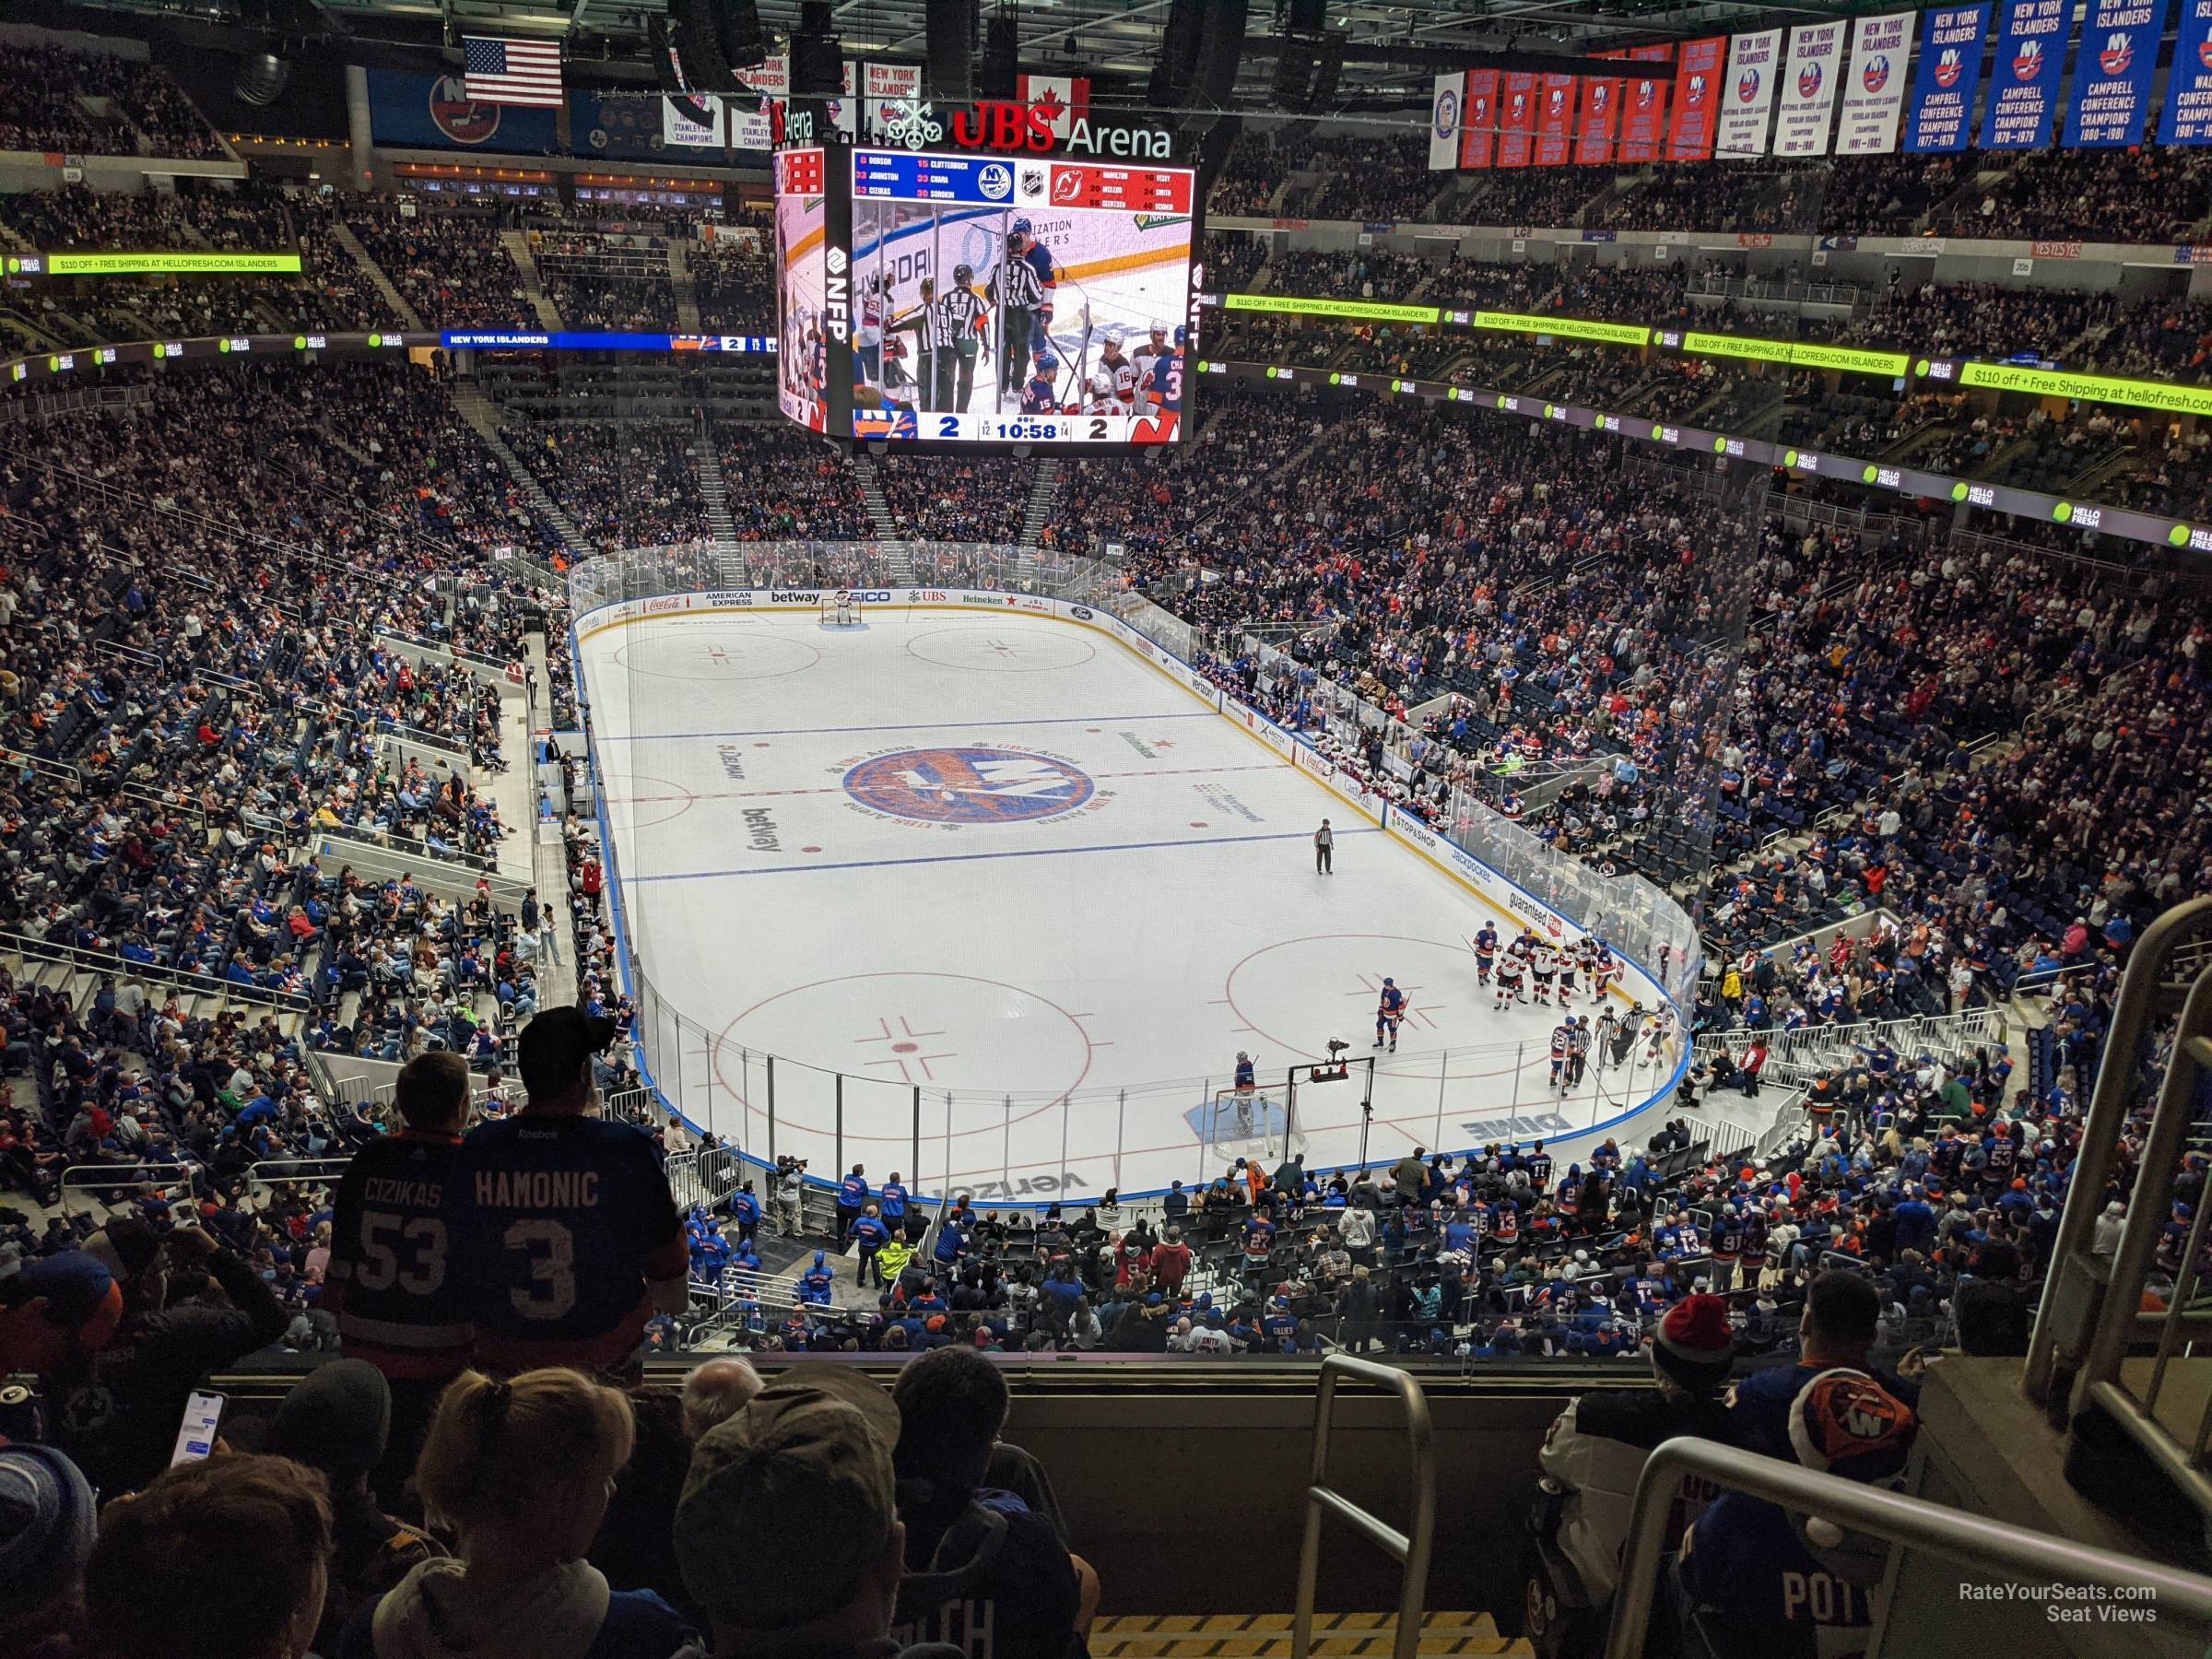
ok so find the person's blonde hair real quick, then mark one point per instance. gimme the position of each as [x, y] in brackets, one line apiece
[503, 1452]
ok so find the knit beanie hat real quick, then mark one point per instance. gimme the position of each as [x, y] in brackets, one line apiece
[1694, 1347]
[46, 1525]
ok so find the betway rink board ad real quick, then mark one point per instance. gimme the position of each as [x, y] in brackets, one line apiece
[1065, 326]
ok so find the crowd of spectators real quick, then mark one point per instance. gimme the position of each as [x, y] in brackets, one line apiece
[983, 499]
[620, 284]
[633, 483]
[785, 484]
[43, 93]
[449, 266]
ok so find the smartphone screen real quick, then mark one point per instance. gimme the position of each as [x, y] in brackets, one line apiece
[196, 1435]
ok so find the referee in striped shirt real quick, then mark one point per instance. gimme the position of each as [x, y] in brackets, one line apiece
[1019, 288]
[954, 342]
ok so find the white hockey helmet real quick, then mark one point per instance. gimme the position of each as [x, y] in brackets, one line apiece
[1116, 333]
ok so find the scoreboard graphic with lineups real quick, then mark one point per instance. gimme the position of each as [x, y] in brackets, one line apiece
[931, 297]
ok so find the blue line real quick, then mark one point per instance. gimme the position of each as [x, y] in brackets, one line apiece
[931, 725]
[878, 863]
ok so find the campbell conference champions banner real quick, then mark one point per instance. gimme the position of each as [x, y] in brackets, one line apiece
[2111, 73]
[1808, 89]
[2023, 87]
[1944, 83]
[1747, 98]
[1873, 91]
[1698, 96]
[2188, 117]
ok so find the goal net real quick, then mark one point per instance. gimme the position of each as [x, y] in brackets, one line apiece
[839, 610]
[1250, 1126]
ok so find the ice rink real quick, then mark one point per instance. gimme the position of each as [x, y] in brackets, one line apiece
[999, 860]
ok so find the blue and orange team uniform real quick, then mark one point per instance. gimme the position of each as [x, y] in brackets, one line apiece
[1163, 380]
[1244, 1075]
[1559, 1052]
[1390, 1009]
[1485, 952]
[1039, 396]
[391, 1285]
[564, 1222]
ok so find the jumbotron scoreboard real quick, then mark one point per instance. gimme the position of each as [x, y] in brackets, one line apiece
[932, 296]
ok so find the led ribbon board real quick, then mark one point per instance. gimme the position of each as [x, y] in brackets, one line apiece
[1797, 354]
[1350, 311]
[169, 264]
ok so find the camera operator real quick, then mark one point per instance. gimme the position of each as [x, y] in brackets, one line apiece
[790, 1195]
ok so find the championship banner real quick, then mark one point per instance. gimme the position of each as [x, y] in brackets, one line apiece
[1554, 121]
[678, 130]
[1443, 121]
[1643, 114]
[2188, 117]
[1943, 86]
[1748, 100]
[844, 111]
[1517, 118]
[1478, 118]
[1601, 117]
[2111, 76]
[1873, 93]
[771, 80]
[1697, 98]
[888, 84]
[2023, 87]
[1808, 89]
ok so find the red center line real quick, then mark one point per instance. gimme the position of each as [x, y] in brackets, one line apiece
[734, 795]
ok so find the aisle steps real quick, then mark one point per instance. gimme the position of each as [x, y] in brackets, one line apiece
[1268, 1636]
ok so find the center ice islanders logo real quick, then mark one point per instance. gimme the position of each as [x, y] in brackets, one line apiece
[968, 785]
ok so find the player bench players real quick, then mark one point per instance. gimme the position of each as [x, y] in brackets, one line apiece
[562, 1225]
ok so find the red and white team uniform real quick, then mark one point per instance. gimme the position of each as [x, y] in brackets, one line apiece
[1509, 978]
[1099, 396]
[1571, 964]
[1544, 965]
[1122, 372]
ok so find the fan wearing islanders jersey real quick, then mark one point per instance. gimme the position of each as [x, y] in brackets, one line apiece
[561, 1223]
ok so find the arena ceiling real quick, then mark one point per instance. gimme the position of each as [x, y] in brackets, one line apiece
[1391, 50]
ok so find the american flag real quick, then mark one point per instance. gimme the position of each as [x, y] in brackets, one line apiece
[496, 70]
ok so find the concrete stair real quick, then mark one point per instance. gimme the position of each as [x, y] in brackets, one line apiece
[343, 235]
[534, 288]
[687, 291]
[871, 491]
[716, 489]
[1044, 489]
[483, 415]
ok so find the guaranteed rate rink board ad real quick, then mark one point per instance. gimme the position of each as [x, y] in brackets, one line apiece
[1027, 299]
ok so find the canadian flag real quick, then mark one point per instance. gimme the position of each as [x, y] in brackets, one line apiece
[1063, 98]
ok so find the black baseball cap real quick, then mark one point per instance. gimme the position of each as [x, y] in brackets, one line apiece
[555, 1045]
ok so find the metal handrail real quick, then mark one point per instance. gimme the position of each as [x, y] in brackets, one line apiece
[1409, 1549]
[1955, 1535]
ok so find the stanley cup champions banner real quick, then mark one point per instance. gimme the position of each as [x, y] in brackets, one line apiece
[1697, 95]
[1747, 94]
[1874, 89]
[1808, 89]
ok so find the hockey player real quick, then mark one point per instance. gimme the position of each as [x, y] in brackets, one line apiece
[1246, 1087]
[1578, 1048]
[1604, 972]
[1563, 1037]
[1390, 1009]
[1571, 962]
[1040, 396]
[1098, 395]
[1119, 370]
[1149, 349]
[1159, 376]
[1658, 1031]
[1486, 953]
[1509, 978]
[1544, 967]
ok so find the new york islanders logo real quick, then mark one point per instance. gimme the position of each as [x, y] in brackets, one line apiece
[1694, 93]
[1809, 81]
[1556, 101]
[1645, 92]
[1601, 94]
[2118, 53]
[2028, 61]
[1949, 68]
[2204, 53]
[1480, 114]
[1746, 85]
[1876, 74]
[968, 785]
[1519, 105]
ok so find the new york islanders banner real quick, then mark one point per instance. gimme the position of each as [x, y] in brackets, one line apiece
[1644, 115]
[1554, 121]
[1697, 95]
[1478, 118]
[2112, 75]
[2188, 117]
[1808, 89]
[2023, 87]
[1601, 118]
[1516, 118]
[1873, 93]
[1443, 121]
[1747, 98]
[1943, 86]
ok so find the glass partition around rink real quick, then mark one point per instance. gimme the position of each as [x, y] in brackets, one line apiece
[1030, 1147]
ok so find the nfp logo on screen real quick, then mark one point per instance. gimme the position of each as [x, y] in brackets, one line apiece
[969, 785]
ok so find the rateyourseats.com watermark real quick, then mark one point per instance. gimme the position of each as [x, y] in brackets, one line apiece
[2074, 1604]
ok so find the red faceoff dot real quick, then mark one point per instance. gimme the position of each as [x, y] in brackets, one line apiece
[810, 848]
[1198, 823]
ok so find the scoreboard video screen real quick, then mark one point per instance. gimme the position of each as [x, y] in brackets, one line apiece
[984, 298]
